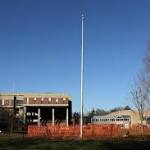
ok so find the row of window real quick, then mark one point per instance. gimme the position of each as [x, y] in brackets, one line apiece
[49, 99]
[35, 100]
[45, 100]
[104, 120]
[147, 118]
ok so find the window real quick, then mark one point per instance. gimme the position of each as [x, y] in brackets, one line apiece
[19, 102]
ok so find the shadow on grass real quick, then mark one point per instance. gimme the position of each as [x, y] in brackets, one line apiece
[46, 144]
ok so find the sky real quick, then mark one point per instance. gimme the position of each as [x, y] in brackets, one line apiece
[40, 47]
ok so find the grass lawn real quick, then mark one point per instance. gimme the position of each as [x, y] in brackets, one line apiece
[46, 144]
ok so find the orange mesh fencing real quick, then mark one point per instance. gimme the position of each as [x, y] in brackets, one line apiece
[89, 131]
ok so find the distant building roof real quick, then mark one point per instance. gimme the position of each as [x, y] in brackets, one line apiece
[40, 94]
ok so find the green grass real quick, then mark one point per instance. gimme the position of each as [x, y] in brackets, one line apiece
[46, 144]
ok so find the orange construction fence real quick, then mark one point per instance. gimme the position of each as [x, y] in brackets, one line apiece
[89, 131]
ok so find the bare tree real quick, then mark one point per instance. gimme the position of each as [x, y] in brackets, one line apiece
[147, 74]
[139, 97]
[141, 91]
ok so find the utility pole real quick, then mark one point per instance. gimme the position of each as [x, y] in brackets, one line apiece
[82, 73]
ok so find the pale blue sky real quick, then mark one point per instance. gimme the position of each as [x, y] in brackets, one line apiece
[40, 48]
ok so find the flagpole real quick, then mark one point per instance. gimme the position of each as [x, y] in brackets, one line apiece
[82, 73]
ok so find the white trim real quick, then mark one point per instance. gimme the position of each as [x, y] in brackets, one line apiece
[49, 99]
[39, 116]
[67, 121]
[61, 105]
[27, 100]
[2, 101]
[36, 94]
[53, 116]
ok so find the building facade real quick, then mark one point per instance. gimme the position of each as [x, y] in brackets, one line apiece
[38, 108]
[125, 118]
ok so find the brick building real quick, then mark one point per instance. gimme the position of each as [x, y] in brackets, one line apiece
[38, 108]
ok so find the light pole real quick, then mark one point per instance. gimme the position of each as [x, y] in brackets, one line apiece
[82, 79]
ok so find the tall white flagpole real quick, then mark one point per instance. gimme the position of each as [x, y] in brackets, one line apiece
[82, 80]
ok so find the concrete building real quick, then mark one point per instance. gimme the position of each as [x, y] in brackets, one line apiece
[126, 118]
[38, 108]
